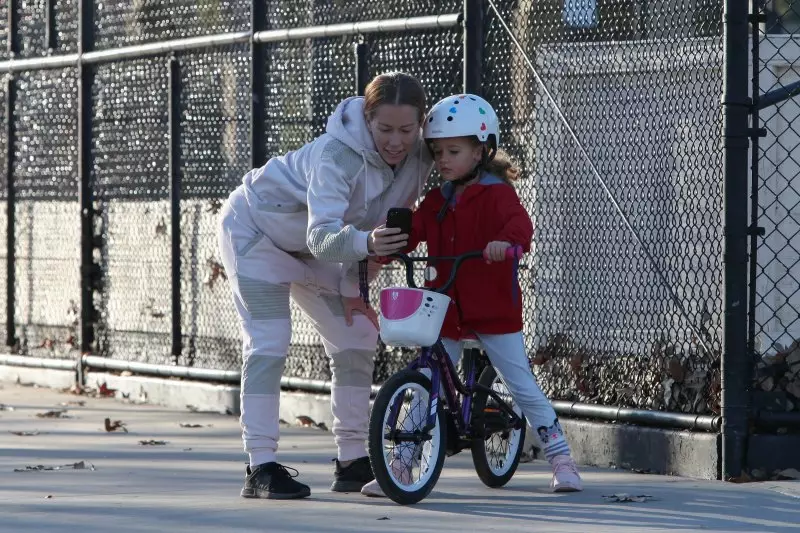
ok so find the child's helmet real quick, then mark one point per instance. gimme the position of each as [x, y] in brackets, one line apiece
[463, 115]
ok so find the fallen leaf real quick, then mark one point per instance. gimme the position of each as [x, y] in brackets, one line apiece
[152, 442]
[53, 414]
[25, 433]
[104, 392]
[789, 473]
[115, 425]
[625, 498]
[80, 465]
[305, 421]
[190, 426]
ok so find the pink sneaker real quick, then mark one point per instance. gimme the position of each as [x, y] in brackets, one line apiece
[373, 489]
[565, 475]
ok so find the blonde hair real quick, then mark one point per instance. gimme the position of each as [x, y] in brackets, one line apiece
[503, 167]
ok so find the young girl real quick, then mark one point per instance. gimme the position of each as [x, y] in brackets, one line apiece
[477, 208]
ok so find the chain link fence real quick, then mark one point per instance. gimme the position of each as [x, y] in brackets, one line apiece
[623, 288]
[776, 277]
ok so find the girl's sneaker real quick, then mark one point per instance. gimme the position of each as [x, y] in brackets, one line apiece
[374, 490]
[565, 475]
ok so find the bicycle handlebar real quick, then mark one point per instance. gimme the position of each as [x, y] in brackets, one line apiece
[512, 252]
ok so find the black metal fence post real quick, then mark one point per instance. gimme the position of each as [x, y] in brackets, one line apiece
[11, 281]
[174, 104]
[11, 34]
[736, 374]
[50, 25]
[361, 50]
[473, 46]
[89, 271]
[756, 132]
[258, 114]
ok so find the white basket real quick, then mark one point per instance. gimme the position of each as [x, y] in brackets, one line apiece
[411, 317]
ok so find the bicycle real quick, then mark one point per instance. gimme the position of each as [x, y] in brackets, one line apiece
[475, 414]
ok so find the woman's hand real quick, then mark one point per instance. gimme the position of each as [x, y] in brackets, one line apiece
[386, 241]
[496, 251]
[356, 304]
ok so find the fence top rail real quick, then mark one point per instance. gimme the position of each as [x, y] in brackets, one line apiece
[357, 28]
[223, 39]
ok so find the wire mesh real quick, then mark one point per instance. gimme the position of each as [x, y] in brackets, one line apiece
[215, 154]
[119, 24]
[3, 207]
[47, 223]
[130, 181]
[776, 198]
[639, 85]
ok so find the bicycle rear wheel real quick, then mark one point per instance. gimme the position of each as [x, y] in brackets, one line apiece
[406, 467]
[496, 452]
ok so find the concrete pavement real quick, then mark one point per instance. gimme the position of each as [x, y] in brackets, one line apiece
[192, 483]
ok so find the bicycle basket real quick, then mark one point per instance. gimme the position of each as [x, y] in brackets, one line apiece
[411, 317]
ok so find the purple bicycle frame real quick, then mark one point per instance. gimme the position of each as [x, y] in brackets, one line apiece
[436, 359]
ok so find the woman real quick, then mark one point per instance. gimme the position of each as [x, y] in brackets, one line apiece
[298, 226]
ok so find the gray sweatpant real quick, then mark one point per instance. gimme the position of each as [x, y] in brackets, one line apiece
[507, 354]
[262, 278]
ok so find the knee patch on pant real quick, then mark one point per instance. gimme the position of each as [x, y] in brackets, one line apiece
[264, 300]
[261, 374]
[353, 368]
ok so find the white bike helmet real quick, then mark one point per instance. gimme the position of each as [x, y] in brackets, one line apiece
[463, 115]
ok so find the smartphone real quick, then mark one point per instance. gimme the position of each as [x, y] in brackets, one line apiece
[399, 217]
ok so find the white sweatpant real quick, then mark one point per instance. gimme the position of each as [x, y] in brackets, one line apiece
[507, 354]
[262, 278]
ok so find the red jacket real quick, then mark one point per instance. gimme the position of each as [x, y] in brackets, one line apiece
[485, 297]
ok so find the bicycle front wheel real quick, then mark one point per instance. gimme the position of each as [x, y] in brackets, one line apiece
[406, 459]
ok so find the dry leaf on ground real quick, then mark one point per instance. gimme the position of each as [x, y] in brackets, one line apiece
[152, 442]
[80, 465]
[626, 498]
[115, 425]
[53, 414]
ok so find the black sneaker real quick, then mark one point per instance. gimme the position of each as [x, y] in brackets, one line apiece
[273, 482]
[352, 477]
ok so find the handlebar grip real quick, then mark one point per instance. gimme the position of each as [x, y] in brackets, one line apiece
[512, 252]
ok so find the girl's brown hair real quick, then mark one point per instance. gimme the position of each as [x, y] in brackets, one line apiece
[397, 88]
[502, 166]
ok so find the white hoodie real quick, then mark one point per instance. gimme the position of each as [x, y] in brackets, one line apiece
[325, 197]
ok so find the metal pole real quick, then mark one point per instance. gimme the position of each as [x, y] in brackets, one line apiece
[89, 272]
[473, 46]
[11, 282]
[736, 375]
[361, 50]
[258, 113]
[754, 230]
[11, 35]
[174, 103]
[50, 25]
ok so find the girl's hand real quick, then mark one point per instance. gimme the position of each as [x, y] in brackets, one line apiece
[496, 251]
[385, 241]
[352, 305]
